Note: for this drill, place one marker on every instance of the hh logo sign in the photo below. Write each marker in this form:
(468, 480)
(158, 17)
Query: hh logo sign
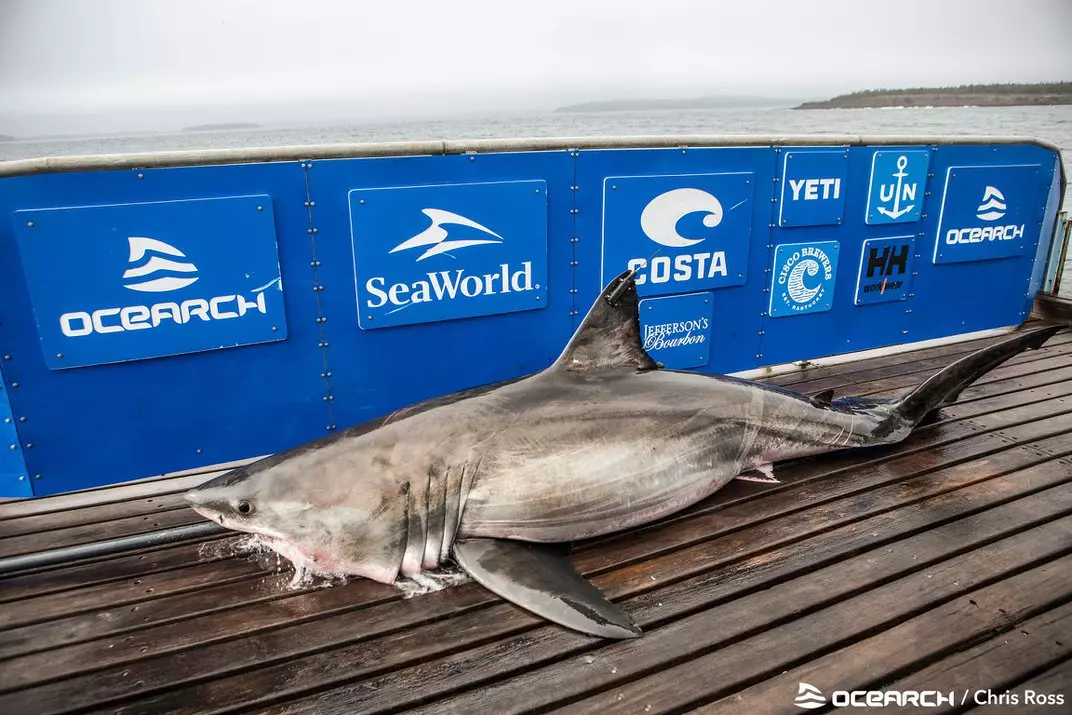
(431, 253)
(681, 233)
(676, 330)
(898, 179)
(813, 192)
(133, 281)
(886, 267)
(988, 212)
(804, 276)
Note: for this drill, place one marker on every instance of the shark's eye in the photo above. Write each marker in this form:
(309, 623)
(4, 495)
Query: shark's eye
(244, 507)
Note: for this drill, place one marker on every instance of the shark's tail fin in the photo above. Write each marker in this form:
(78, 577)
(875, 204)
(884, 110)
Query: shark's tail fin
(945, 386)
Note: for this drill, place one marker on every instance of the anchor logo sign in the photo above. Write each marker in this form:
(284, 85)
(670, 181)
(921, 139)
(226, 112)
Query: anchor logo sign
(898, 191)
(896, 186)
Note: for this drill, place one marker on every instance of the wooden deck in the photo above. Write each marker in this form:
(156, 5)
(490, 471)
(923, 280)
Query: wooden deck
(942, 563)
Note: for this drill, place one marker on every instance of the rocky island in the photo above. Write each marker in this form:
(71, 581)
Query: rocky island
(970, 95)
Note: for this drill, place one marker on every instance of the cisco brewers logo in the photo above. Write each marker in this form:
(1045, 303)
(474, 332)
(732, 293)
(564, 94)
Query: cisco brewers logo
(992, 207)
(150, 262)
(803, 278)
(809, 697)
(659, 222)
(448, 285)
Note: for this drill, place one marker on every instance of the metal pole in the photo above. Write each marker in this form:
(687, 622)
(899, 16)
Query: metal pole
(56, 557)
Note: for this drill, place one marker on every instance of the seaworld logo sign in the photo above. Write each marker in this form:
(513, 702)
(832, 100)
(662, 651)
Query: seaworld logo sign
(431, 253)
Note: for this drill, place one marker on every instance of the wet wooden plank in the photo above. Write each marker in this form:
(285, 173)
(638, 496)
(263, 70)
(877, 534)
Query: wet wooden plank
(92, 572)
(927, 364)
(817, 370)
(210, 643)
(249, 607)
(1000, 663)
(87, 533)
(741, 516)
(575, 665)
(129, 592)
(969, 607)
(51, 521)
(904, 383)
(1054, 685)
(867, 664)
(471, 626)
(849, 373)
(566, 679)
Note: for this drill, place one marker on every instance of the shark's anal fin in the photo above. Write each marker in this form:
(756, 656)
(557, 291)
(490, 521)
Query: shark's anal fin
(609, 335)
(540, 578)
(764, 473)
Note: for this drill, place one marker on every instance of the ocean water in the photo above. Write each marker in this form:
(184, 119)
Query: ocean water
(1053, 124)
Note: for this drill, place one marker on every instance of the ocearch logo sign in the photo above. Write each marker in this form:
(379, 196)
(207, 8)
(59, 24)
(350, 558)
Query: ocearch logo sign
(133, 281)
(147, 278)
(163, 258)
(680, 233)
(431, 253)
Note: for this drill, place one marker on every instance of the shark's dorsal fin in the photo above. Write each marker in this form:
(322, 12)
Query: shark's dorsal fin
(609, 335)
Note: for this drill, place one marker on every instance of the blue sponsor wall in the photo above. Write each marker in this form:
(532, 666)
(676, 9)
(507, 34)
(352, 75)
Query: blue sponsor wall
(153, 320)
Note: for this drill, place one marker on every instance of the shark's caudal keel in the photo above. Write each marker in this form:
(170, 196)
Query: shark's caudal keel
(498, 478)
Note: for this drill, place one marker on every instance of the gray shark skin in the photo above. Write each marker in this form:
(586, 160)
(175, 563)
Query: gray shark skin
(497, 478)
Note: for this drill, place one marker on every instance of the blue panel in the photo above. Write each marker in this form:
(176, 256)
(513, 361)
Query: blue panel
(985, 213)
(101, 424)
(967, 296)
(373, 372)
(429, 253)
(812, 188)
(895, 190)
(803, 277)
(14, 479)
(886, 267)
(693, 210)
(609, 233)
(134, 281)
(683, 232)
(677, 329)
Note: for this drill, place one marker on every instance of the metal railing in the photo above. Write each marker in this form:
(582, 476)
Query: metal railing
(1058, 259)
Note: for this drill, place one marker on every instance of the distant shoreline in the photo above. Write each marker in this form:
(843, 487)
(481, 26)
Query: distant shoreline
(221, 127)
(642, 105)
(992, 95)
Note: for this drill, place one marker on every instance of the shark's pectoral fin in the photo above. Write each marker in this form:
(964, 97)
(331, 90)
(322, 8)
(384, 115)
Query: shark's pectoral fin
(541, 579)
(764, 473)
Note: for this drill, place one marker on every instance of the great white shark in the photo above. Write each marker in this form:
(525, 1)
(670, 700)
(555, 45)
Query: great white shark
(494, 479)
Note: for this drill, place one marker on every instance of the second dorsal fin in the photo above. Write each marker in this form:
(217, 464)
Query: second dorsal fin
(609, 336)
(824, 397)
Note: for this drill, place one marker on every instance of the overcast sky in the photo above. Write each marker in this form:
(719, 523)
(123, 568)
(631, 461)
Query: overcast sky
(107, 65)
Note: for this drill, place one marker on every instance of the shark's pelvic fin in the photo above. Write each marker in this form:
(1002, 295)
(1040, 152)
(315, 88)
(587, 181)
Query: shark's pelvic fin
(609, 335)
(540, 578)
